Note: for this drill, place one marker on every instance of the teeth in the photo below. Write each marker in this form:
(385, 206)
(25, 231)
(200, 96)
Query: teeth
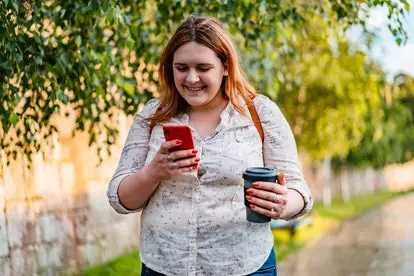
(195, 88)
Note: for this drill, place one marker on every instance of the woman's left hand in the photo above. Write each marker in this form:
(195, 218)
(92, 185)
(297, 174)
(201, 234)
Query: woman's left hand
(268, 198)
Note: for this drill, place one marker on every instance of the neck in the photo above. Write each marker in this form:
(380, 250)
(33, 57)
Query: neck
(218, 104)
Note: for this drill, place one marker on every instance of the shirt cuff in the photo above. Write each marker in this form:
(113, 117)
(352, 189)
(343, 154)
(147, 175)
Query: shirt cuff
(307, 198)
(113, 196)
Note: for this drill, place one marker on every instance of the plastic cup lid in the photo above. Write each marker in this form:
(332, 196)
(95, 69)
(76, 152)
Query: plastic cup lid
(258, 172)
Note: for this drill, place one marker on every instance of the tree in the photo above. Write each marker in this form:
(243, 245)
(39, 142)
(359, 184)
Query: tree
(101, 56)
(389, 136)
(327, 93)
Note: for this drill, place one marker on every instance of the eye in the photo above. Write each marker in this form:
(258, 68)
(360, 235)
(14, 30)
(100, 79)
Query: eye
(181, 69)
(204, 69)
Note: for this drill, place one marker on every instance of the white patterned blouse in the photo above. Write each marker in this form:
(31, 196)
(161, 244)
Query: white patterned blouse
(195, 223)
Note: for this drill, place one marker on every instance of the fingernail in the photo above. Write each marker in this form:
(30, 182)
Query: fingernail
(194, 151)
(251, 206)
(194, 167)
(255, 184)
(249, 198)
(249, 191)
(179, 142)
(197, 159)
(281, 178)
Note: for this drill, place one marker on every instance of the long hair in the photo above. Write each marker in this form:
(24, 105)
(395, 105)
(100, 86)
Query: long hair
(210, 33)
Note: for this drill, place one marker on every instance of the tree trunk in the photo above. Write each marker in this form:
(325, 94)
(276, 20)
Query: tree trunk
(345, 185)
(326, 176)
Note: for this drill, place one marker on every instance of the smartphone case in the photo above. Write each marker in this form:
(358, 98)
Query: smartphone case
(179, 132)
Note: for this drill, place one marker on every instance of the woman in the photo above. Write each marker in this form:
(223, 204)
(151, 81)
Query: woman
(193, 214)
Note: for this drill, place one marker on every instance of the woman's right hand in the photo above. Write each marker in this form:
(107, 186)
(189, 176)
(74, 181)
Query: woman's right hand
(166, 164)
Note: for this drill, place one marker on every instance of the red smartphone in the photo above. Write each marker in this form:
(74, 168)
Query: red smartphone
(179, 132)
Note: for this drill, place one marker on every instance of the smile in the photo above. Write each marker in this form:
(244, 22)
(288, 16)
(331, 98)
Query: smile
(198, 88)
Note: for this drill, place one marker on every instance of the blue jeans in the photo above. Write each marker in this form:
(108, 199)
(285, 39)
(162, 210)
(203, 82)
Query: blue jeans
(267, 269)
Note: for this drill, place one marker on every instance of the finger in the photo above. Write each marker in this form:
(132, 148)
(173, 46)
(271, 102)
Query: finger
(166, 146)
(187, 162)
(267, 199)
(272, 213)
(266, 195)
(270, 186)
(187, 169)
(265, 204)
(183, 154)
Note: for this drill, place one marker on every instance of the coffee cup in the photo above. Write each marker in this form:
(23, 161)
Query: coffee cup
(251, 175)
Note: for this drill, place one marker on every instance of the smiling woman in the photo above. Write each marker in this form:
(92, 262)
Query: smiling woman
(198, 74)
(193, 218)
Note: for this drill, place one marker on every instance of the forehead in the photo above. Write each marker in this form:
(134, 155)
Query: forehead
(194, 53)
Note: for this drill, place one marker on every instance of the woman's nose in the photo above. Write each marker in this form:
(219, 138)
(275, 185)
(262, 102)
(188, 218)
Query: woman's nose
(192, 77)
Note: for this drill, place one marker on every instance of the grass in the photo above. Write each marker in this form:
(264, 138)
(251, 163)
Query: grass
(129, 264)
(323, 220)
(359, 204)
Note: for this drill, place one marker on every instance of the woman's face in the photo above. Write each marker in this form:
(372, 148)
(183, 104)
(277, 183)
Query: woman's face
(198, 74)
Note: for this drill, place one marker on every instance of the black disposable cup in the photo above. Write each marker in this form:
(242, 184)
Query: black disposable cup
(251, 175)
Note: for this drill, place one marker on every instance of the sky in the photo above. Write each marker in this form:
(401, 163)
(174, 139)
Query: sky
(393, 58)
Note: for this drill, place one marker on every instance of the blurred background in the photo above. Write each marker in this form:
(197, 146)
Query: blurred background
(73, 73)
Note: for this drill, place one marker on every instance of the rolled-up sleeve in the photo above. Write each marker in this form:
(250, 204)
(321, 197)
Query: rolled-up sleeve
(133, 155)
(279, 149)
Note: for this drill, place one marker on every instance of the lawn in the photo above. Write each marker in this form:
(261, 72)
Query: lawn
(323, 220)
(128, 264)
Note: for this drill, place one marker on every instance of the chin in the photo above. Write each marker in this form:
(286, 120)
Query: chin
(196, 103)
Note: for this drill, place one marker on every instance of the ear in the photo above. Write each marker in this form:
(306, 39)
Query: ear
(225, 72)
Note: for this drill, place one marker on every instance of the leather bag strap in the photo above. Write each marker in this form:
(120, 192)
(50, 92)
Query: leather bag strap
(255, 117)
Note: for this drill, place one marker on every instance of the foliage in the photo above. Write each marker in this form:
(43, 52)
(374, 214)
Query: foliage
(389, 137)
(326, 94)
(100, 56)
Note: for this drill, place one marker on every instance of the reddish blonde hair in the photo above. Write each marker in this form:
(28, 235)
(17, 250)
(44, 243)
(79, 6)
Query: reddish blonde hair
(210, 33)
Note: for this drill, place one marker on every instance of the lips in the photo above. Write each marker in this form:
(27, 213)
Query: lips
(195, 88)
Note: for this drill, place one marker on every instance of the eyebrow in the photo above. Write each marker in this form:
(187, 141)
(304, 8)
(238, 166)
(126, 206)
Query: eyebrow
(198, 64)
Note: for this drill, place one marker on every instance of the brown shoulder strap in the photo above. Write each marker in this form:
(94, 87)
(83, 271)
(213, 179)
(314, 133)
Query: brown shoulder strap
(255, 117)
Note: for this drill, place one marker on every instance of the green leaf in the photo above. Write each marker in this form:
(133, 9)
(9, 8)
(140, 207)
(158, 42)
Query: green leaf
(19, 57)
(39, 60)
(7, 65)
(78, 40)
(109, 15)
(129, 88)
(105, 5)
(130, 43)
(13, 119)
(118, 14)
(63, 61)
(16, 5)
(10, 46)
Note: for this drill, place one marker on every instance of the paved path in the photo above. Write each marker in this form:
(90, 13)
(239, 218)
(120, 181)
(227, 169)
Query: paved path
(378, 243)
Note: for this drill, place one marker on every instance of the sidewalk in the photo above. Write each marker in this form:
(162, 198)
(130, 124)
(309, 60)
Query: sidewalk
(380, 242)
